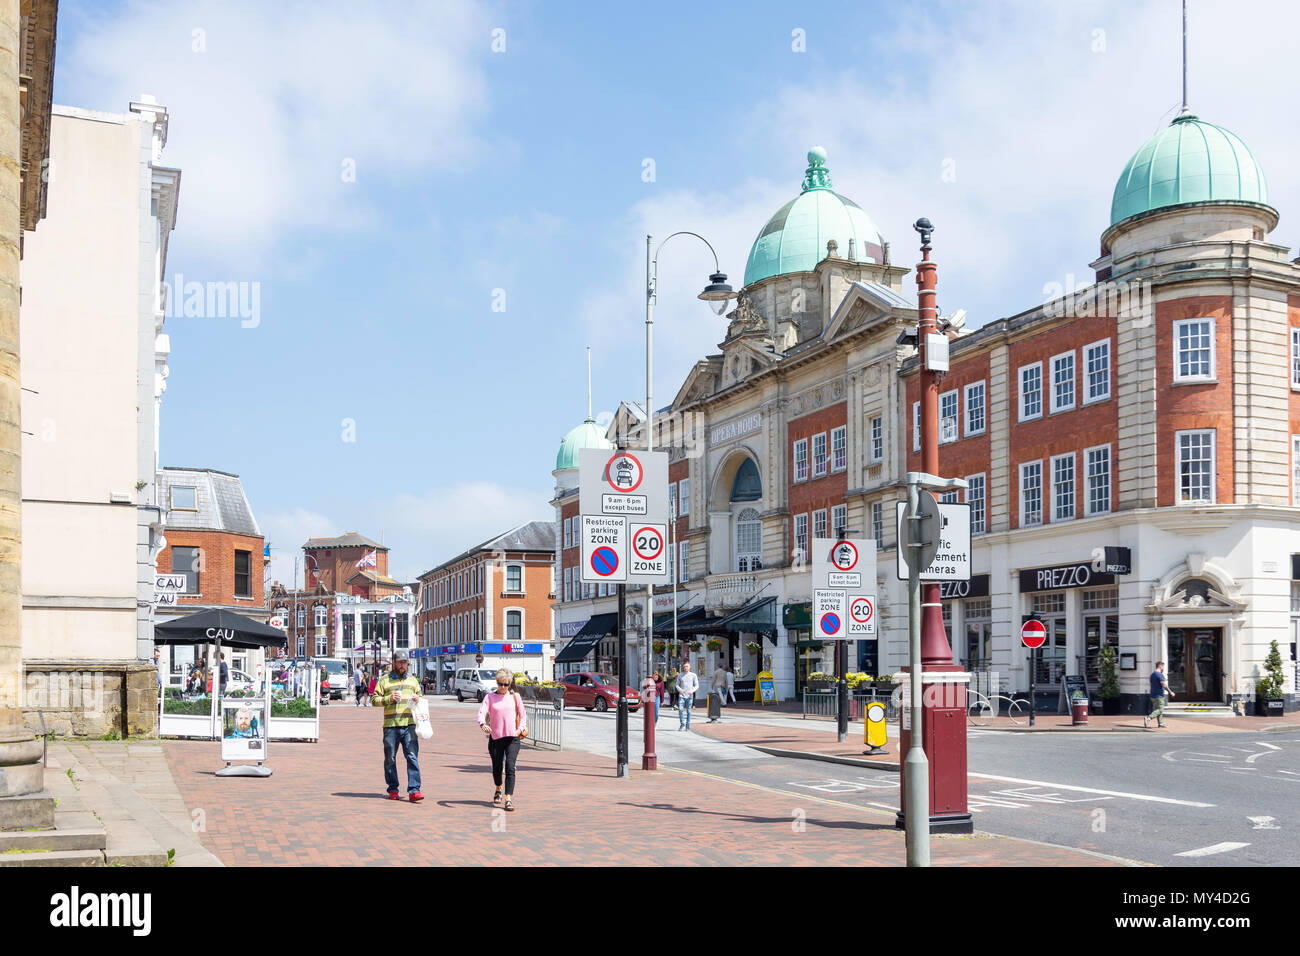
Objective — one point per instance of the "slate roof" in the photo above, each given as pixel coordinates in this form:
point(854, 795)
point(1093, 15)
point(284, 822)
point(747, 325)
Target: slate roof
point(533, 536)
point(221, 504)
point(349, 540)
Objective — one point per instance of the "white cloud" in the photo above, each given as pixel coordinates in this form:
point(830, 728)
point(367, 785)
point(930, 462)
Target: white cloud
point(281, 95)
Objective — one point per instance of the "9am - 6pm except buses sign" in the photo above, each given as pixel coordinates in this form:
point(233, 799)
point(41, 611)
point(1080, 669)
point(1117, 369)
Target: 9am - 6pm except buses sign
point(623, 498)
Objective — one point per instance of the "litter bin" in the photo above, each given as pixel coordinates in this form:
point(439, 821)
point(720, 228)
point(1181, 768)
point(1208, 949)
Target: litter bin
point(1079, 710)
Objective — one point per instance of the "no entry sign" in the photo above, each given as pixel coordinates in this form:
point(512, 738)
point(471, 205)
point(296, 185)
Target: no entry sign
point(1033, 634)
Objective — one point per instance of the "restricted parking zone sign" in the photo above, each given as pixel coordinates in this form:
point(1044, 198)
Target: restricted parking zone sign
point(604, 540)
point(830, 611)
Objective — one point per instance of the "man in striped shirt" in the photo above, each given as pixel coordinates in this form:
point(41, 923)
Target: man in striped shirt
point(396, 692)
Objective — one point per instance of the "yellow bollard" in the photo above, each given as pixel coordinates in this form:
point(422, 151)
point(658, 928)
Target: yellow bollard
point(873, 734)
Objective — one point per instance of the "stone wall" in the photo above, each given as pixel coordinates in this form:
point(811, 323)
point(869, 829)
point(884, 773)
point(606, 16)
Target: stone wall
point(91, 698)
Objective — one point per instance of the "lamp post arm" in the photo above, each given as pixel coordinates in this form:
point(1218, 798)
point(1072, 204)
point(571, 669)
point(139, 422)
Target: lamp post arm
point(654, 259)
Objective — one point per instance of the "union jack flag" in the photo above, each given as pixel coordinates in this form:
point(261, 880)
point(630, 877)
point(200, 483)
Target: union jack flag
point(368, 561)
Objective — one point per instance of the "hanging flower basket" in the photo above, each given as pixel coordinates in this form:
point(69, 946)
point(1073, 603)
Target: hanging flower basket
point(658, 647)
point(753, 647)
point(694, 645)
point(715, 644)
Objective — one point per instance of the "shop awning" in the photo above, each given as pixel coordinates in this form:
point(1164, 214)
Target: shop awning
point(686, 621)
point(598, 627)
point(756, 617)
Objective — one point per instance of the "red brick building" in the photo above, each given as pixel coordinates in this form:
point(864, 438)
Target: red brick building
point(214, 540)
point(492, 600)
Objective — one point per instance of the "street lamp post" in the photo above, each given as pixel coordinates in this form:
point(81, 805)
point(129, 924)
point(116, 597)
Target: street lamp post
point(934, 778)
point(717, 293)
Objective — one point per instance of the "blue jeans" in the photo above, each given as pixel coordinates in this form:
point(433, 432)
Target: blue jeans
point(684, 705)
point(411, 748)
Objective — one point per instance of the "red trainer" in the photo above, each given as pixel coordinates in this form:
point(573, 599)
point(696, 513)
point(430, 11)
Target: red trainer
point(394, 795)
point(416, 796)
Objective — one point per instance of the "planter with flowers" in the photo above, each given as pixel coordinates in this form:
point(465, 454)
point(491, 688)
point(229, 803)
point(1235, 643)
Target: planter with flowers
point(714, 644)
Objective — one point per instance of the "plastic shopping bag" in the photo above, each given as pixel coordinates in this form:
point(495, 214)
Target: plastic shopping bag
point(420, 711)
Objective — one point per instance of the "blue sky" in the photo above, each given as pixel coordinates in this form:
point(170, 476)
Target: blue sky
point(522, 171)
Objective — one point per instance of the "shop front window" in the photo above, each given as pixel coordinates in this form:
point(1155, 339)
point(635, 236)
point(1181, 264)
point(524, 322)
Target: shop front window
point(978, 616)
point(1050, 609)
point(1100, 628)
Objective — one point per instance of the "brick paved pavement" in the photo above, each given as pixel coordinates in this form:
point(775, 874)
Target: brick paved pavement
point(325, 804)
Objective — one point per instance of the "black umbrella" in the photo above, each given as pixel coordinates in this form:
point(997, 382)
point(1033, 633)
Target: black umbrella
point(217, 626)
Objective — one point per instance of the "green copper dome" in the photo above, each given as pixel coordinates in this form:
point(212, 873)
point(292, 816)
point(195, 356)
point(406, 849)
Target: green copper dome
point(586, 435)
point(1187, 162)
point(794, 240)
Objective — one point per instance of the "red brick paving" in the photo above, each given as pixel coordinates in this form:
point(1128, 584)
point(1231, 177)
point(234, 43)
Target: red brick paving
point(325, 805)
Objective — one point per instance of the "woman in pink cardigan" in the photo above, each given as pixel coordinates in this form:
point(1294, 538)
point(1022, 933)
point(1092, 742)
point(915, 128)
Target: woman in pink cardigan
point(502, 717)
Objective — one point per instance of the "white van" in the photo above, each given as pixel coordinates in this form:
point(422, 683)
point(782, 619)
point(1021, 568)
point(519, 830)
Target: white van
point(476, 682)
point(340, 675)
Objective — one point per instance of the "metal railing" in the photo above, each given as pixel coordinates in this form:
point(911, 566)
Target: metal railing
point(823, 704)
point(545, 724)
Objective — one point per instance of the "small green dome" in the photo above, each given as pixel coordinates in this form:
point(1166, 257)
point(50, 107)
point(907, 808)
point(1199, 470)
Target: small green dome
point(586, 435)
point(1189, 161)
point(794, 240)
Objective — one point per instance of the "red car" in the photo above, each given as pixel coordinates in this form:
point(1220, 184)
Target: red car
point(597, 692)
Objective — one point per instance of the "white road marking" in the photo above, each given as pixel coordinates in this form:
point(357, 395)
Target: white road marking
point(1211, 850)
point(1263, 753)
point(1209, 760)
point(1260, 743)
point(832, 785)
point(1263, 823)
point(1108, 793)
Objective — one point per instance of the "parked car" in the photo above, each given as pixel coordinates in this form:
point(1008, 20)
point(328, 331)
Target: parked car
point(476, 682)
point(597, 692)
point(238, 680)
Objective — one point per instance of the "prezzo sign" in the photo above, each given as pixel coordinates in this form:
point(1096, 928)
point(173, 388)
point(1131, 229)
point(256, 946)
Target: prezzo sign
point(1061, 576)
point(977, 586)
point(733, 430)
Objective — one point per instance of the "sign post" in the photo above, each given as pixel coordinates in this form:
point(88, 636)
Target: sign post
point(843, 569)
point(1032, 634)
point(623, 495)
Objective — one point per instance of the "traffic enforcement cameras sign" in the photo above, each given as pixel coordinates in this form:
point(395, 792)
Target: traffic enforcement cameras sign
point(952, 557)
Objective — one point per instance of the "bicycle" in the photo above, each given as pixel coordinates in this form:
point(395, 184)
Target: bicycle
point(981, 709)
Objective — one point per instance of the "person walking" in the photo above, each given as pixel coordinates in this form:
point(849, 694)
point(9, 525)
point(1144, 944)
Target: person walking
point(718, 685)
point(687, 685)
point(731, 685)
point(670, 685)
point(1160, 695)
point(501, 716)
point(659, 690)
point(359, 682)
point(396, 691)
